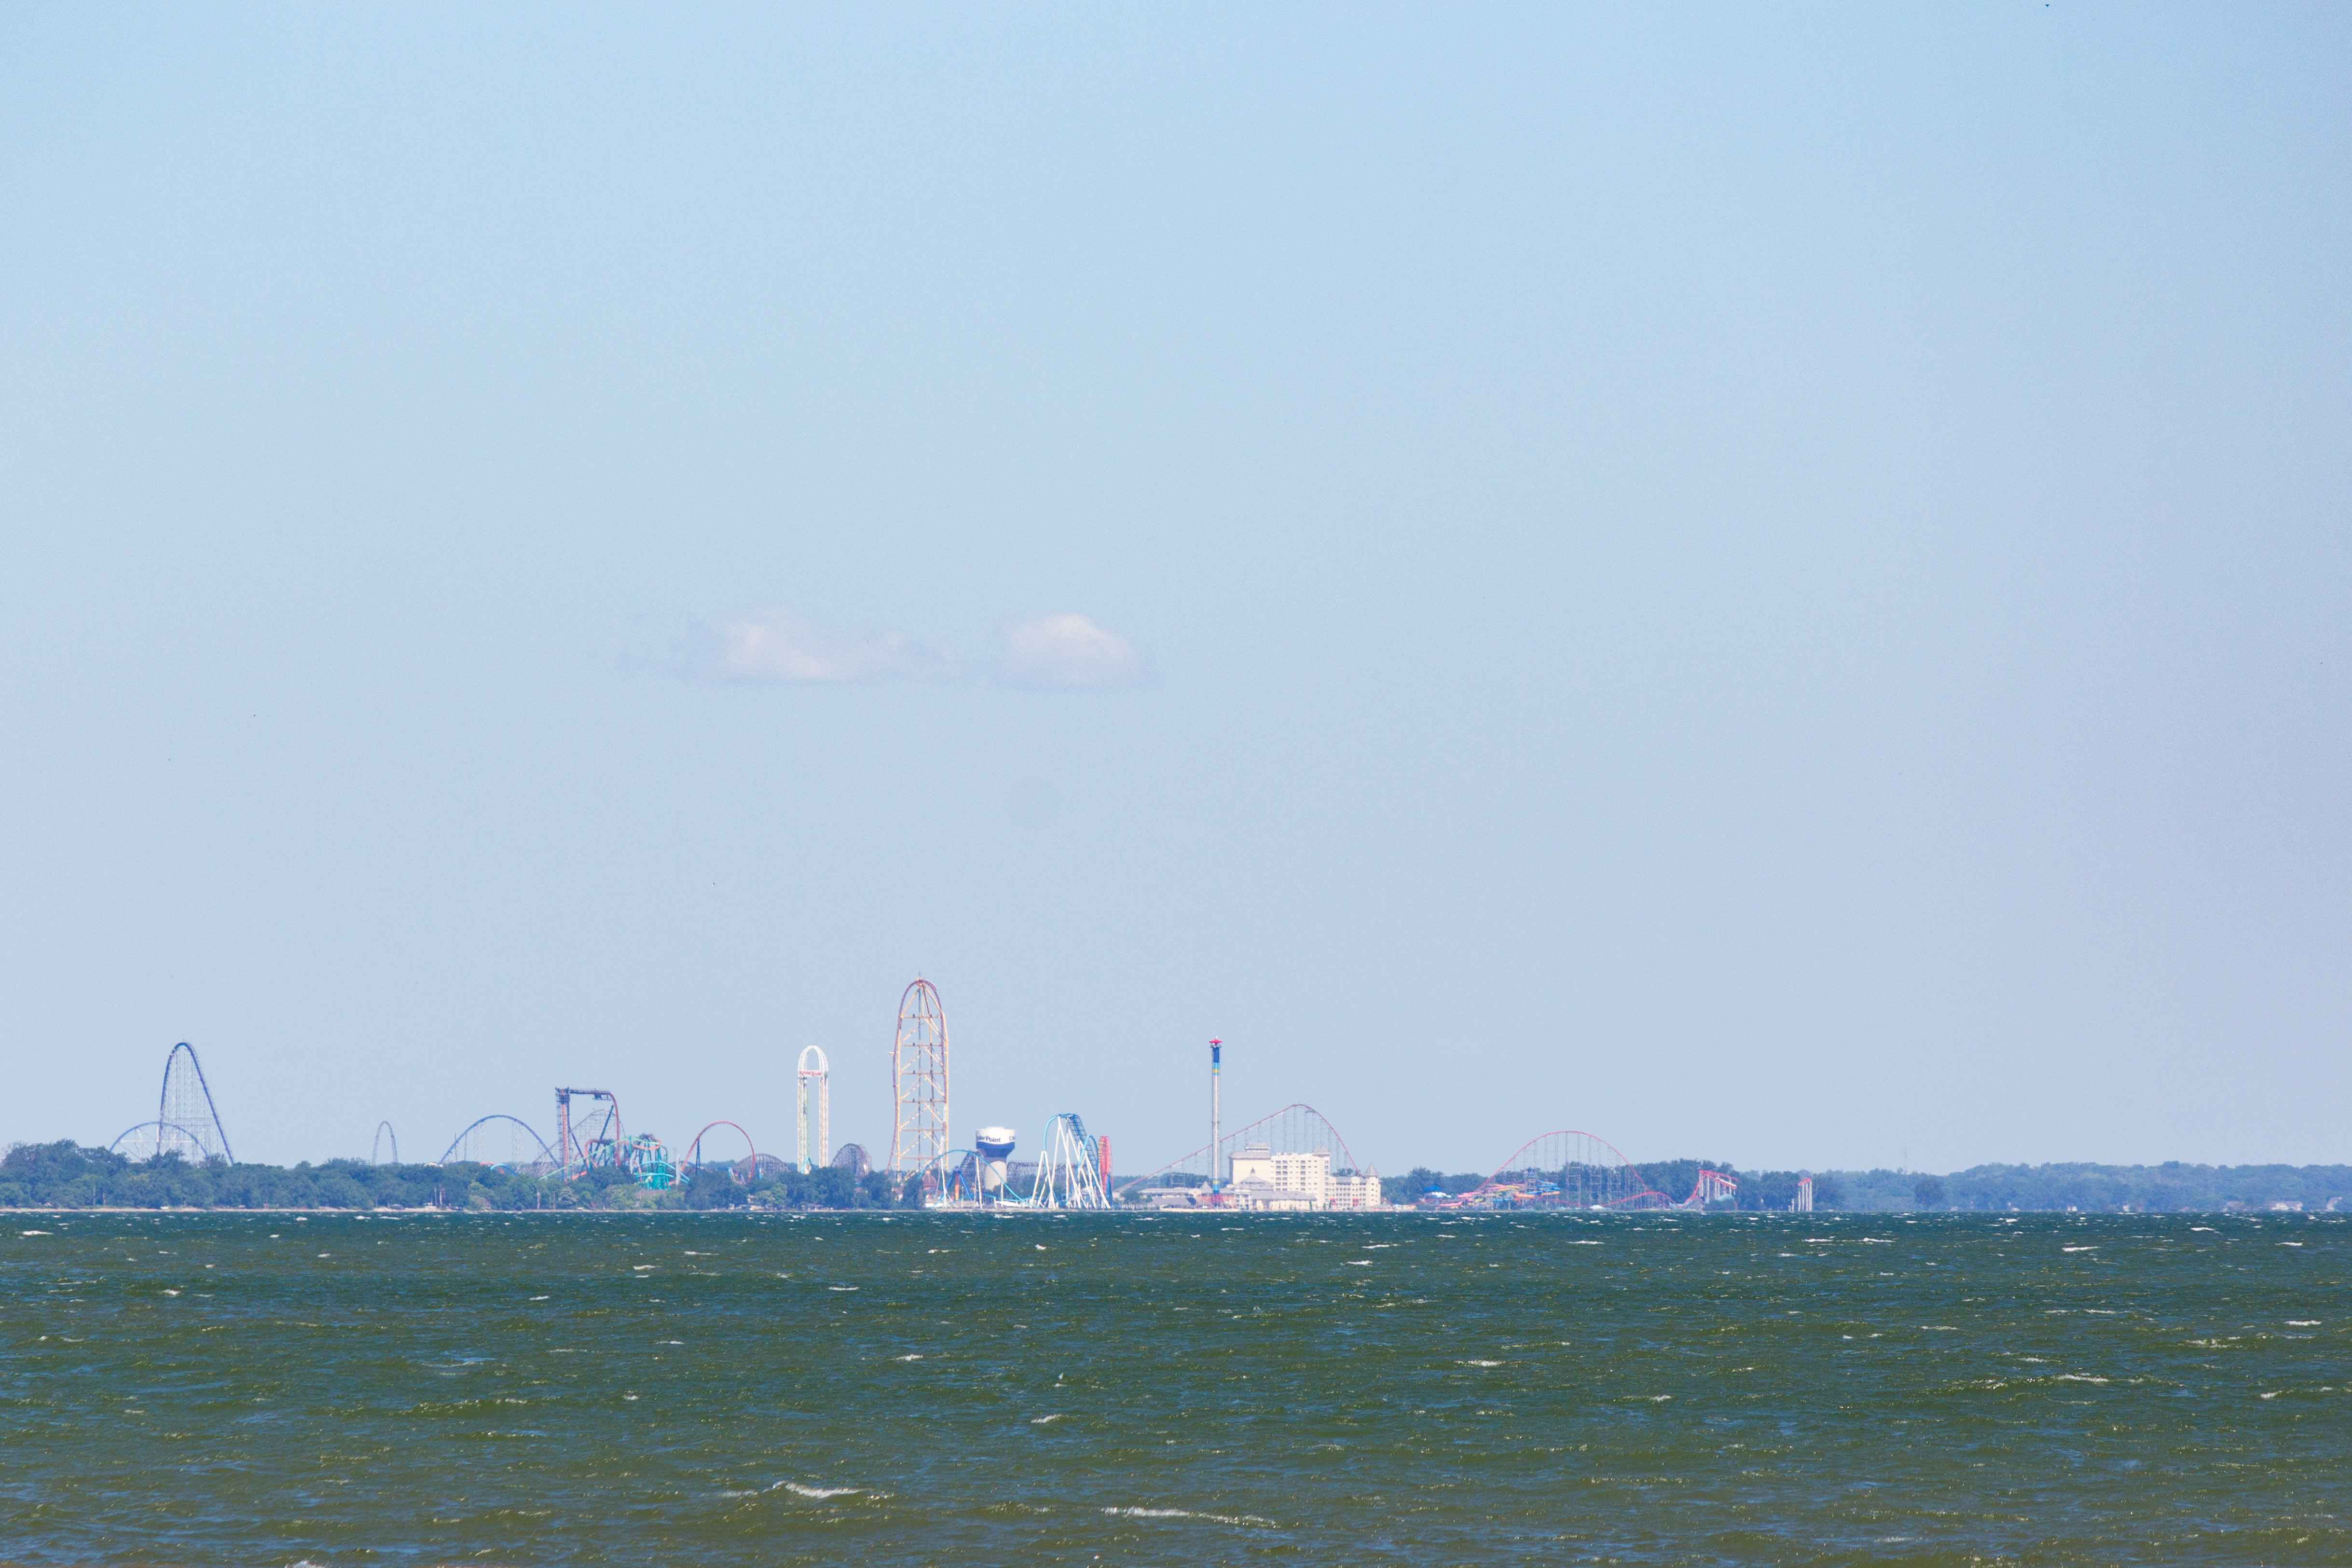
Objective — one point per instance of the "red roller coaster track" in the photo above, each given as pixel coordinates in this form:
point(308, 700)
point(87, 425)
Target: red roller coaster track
point(1566, 1170)
point(694, 1150)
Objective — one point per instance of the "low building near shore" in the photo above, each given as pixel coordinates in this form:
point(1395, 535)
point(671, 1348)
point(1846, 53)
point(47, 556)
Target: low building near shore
point(1355, 1190)
point(1268, 1182)
point(1308, 1177)
point(1264, 1197)
point(1260, 1181)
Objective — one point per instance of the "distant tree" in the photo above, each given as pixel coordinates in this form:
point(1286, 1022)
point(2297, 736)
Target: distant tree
point(711, 1187)
point(1771, 1191)
point(252, 1187)
point(1410, 1186)
point(832, 1187)
point(338, 1189)
point(1928, 1192)
point(85, 1190)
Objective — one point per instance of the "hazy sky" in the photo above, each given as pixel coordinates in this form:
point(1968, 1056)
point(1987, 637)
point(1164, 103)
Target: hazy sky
point(1770, 583)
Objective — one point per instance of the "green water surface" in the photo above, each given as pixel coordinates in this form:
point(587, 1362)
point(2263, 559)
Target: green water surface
point(1408, 1389)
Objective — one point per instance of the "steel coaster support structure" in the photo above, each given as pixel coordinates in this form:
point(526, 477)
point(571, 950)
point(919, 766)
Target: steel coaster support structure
point(812, 1136)
point(594, 1139)
point(460, 1146)
point(759, 1167)
point(1566, 1170)
point(1712, 1187)
point(383, 1135)
point(919, 1080)
point(149, 1139)
point(1069, 1168)
point(187, 1122)
point(647, 1158)
point(1296, 1129)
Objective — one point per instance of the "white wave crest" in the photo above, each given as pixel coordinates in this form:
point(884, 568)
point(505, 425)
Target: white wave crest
point(1246, 1521)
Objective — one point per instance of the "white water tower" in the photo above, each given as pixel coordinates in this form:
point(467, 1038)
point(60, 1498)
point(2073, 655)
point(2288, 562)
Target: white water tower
point(994, 1147)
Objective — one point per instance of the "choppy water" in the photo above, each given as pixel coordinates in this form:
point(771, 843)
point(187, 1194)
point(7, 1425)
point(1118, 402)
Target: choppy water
point(219, 1389)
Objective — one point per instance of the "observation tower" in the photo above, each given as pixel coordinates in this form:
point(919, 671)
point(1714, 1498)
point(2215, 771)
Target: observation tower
point(814, 1133)
point(1216, 1111)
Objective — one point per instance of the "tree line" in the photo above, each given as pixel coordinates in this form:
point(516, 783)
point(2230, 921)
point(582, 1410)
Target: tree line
point(2172, 1188)
point(70, 1175)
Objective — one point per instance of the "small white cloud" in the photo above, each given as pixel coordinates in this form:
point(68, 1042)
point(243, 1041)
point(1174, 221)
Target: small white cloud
point(784, 648)
point(1069, 650)
point(1057, 652)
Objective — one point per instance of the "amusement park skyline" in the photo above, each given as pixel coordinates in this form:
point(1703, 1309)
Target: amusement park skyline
point(923, 1128)
point(1144, 783)
point(1750, 584)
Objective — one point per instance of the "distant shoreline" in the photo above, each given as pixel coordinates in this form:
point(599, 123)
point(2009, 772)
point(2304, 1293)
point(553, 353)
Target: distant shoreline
point(1013, 1211)
point(64, 1177)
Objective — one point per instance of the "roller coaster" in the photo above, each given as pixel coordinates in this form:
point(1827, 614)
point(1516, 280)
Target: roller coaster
point(187, 1123)
point(1295, 1129)
point(1564, 1170)
point(752, 1167)
point(591, 1142)
point(694, 1150)
point(589, 1136)
point(476, 1145)
point(1071, 1172)
point(1573, 1170)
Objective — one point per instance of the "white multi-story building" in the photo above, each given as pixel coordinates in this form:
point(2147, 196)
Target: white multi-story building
point(1357, 1190)
point(1262, 1179)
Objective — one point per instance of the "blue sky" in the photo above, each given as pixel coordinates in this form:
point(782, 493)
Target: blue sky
point(1769, 583)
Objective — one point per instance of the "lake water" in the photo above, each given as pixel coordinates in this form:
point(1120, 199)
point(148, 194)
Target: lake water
point(1407, 1389)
